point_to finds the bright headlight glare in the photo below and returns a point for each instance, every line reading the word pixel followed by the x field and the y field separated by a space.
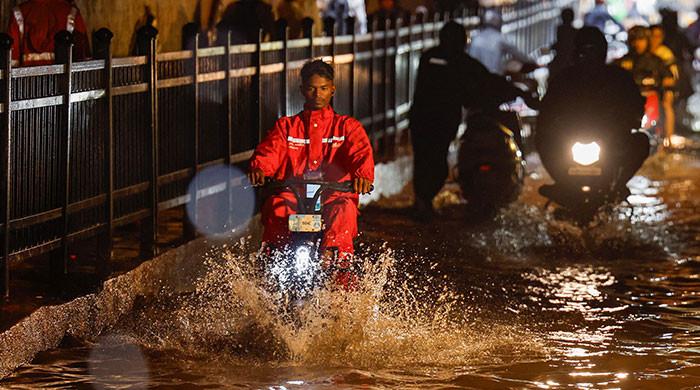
pixel 302 258
pixel 586 154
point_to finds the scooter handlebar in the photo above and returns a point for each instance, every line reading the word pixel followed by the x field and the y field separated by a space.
pixel 343 186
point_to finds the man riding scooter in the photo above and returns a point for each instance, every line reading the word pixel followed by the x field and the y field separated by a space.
pixel 316 144
pixel 585 128
pixel 653 77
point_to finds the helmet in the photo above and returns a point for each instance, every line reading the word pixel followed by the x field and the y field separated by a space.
pixel 491 18
pixel 590 45
pixel 638 32
pixel 453 37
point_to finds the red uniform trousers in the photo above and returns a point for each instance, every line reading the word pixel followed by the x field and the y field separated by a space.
pixel 339 220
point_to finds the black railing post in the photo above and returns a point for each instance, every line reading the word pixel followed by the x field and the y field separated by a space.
pixel 191 218
pixel 190 36
pixel 388 24
pixel 102 41
pixel 6 137
pixel 149 227
pixel 229 126
pixel 333 30
pixel 284 82
pixel 372 53
pixel 229 99
pixel 308 30
pixel 328 26
pixel 395 89
pixel 258 85
pixel 409 59
pixel 350 27
pixel 63 45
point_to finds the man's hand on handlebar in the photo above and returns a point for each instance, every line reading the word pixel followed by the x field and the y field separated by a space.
pixel 256 177
pixel 361 185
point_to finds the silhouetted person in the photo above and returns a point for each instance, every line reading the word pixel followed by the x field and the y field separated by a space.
pixel 693 31
pixel 592 98
pixel 683 51
pixel 389 10
pixel 657 47
pixel 564 46
pixel 244 19
pixel 33 25
pixel 490 47
pixel 650 73
pixel 448 80
pixel 599 17
pixel 340 10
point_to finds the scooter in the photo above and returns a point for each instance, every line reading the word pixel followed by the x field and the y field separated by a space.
pixel 297 269
pixel 491 167
pixel 588 180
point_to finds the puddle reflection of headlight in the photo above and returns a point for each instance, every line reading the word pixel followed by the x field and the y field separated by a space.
pixel 302 258
pixel 586 154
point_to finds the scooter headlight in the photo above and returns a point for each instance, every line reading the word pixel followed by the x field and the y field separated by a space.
pixel 302 258
pixel 586 154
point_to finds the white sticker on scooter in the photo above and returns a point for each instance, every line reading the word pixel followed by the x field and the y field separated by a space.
pixel 311 190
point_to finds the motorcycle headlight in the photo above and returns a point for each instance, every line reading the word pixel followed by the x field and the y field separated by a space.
pixel 586 154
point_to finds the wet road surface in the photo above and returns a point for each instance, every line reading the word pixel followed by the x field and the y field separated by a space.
pixel 524 301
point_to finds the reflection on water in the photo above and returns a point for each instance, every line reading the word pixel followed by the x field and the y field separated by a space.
pixel 524 302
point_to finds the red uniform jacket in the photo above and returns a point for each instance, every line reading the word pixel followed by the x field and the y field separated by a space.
pixel 34 24
pixel 316 140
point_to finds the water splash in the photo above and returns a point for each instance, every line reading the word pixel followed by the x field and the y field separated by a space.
pixel 393 319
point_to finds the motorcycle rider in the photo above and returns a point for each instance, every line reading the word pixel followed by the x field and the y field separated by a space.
pixel 599 17
pixel 318 144
pixel 657 47
pixel 448 79
pixel 491 47
pixel 596 98
pixel 652 76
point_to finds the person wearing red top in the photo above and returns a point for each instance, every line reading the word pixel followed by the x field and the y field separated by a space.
pixel 34 24
pixel 315 141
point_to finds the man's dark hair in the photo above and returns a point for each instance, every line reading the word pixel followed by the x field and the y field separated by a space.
pixel 316 67
pixel 567 15
pixel 655 27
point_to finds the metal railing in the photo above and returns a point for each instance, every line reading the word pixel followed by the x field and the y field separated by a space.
pixel 95 145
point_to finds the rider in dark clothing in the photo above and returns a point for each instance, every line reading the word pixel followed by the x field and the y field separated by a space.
pixel 564 46
pixel 648 70
pixel 591 97
pixel 448 80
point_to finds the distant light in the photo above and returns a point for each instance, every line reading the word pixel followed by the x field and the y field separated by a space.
pixel 621 375
pixel 586 189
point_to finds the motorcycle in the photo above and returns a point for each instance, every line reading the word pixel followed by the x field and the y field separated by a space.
pixel 297 269
pixel 649 89
pixel 588 180
pixel 490 164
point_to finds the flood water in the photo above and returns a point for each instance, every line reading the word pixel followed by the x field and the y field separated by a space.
pixel 522 302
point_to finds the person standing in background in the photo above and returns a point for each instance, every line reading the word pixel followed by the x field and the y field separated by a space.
pixel 657 47
pixel 564 46
pixel 599 17
pixel 491 48
pixel 33 25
